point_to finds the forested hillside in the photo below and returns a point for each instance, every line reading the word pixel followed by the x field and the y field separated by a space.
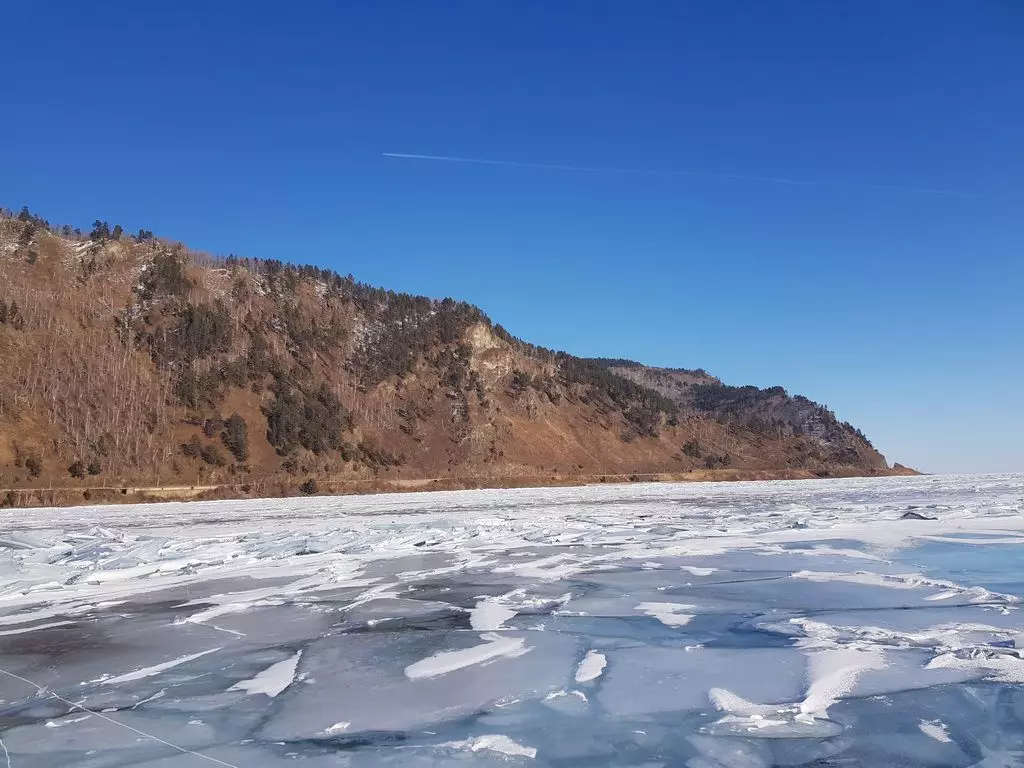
pixel 132 360
pixel 817 435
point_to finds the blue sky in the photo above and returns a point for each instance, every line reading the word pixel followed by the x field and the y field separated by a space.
pixel 888 286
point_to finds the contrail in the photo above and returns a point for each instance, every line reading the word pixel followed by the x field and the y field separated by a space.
pixel 668 172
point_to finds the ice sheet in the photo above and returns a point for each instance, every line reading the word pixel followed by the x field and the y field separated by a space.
pixel 742 624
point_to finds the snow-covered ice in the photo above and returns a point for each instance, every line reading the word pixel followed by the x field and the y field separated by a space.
pixel 272 680
pixel 935 729
pixel 670 614
pixel 591 667
pixel 705 625
pixel 493 647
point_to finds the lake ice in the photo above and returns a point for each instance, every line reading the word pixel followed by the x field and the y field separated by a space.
pixel 701 625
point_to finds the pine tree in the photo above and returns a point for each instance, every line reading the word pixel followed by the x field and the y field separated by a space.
pixel 100 230
pixel 235 437
pixel 26 235
pixel 192 448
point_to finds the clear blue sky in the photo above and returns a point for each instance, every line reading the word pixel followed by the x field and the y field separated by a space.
pixel 259 128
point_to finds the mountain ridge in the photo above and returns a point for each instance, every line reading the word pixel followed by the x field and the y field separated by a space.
pixel 137 361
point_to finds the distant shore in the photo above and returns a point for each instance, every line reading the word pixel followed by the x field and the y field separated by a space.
pixel 290 487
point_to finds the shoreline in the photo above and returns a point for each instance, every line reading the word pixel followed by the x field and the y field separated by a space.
pixel 77 496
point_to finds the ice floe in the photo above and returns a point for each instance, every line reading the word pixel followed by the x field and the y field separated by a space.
pixel 591 667
pixel 272 680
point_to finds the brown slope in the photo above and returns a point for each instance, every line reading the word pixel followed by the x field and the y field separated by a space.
pixel 124 357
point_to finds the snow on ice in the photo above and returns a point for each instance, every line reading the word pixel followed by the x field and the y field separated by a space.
pixel 745 624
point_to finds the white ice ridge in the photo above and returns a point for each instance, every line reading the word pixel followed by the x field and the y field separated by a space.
pixel 21 630
pixel 727 701
pixel 61 560
pixel 66 721
pixel 744 718
pixel 909 581
pixel 1001 665
pixel 833 674
pixel 139 674
pixel 694 570
pixel 489 615
pixel 668 613
pixel 496 646
pixel 936 729
pixel 591 667
pixel 553 567
pixel 272 680
pixel 943 638
pixel 493 742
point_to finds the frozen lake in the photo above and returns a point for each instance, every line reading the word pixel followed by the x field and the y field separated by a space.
pixel 702 625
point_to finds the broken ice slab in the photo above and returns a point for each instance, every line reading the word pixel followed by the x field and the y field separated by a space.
pixel 388 681
pixel 646 681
